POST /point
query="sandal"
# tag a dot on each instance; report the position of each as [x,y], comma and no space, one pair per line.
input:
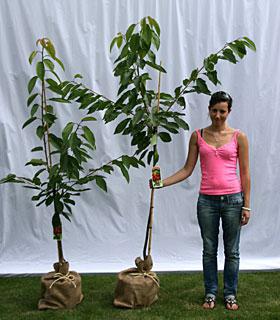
[231,303]
[209,302]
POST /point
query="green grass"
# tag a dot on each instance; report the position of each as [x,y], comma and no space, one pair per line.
[181,296]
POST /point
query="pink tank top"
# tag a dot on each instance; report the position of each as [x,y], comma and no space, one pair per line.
[219,167]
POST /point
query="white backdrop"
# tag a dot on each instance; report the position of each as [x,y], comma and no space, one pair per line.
[107,231]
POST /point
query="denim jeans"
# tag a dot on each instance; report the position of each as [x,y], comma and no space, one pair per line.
[210,209]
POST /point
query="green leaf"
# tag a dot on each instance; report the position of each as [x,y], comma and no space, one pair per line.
[146,35]
[113,43]
[181,101]
[134,42]
[67,130]
[9,178]
[47,44]
[61,100]
[32,56]
[228,55]
[40,70]
[156,66]
[31,99]
[40,132]
[30,120]
[78,76]
[55,141]
[89,119]
[89,136]
[36,162]
[194,75]
[154,140]
[60,63]
[107,169]
[249,43]
[49,118]
[165,136]
[66,215]
[37,149]
[154,23]
[138,116]
[166,96]
[182,123]
[34,109]
[100,181]
[49,64]
[49,201]
[156,41]
[119,40]
[129,31]
[201,86]
[123,169]
[31,84]
[122,125]
[212,76]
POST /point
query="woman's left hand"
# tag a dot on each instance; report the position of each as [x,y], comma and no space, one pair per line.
[245,217]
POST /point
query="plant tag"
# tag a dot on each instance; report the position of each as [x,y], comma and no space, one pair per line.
[156,178]
[57,233]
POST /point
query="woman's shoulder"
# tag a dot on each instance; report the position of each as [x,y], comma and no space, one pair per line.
[241,136]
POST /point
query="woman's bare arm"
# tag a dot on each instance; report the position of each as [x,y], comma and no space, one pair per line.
[189,166]
[243,150]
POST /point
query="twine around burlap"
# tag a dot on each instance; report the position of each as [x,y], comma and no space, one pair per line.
[137,287]
[60,289]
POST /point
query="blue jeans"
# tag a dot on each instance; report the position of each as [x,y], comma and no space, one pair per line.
[210,209]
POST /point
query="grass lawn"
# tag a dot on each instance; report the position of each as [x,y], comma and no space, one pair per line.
[180,297]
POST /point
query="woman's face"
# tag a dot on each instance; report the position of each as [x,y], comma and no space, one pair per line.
[218,113]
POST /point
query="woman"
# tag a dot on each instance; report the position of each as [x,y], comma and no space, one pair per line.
[223,195]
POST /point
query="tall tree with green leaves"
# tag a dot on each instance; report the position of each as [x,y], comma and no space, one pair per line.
[146,113]
[61,158]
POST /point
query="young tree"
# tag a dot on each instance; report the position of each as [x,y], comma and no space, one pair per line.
[63,158]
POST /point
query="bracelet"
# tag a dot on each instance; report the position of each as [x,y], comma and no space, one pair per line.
[246,209]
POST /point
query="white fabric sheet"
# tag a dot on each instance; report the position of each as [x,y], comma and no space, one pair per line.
[107,231]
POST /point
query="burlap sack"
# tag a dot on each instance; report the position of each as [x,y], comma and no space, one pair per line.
[136,287]
[60,290]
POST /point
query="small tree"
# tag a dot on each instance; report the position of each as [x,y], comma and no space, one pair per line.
[63,157]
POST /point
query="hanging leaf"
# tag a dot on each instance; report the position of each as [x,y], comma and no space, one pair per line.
[37,149]
[60,63]
[36,162]
[89,136]
[182,123]
[31,99]
[78,76]
[154,140]
[30,120]
[121,126]
[154,23]
[67,131]
[164,136]
[49,64]
[249,43]
[40,132]
[113,43]
[34,109]
[100,181]
[31,84]
[156,66]
[89,119]
[129,31]
[40,70]
[32,56]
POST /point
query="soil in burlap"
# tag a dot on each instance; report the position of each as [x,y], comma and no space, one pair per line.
[137,287]
[60,289]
